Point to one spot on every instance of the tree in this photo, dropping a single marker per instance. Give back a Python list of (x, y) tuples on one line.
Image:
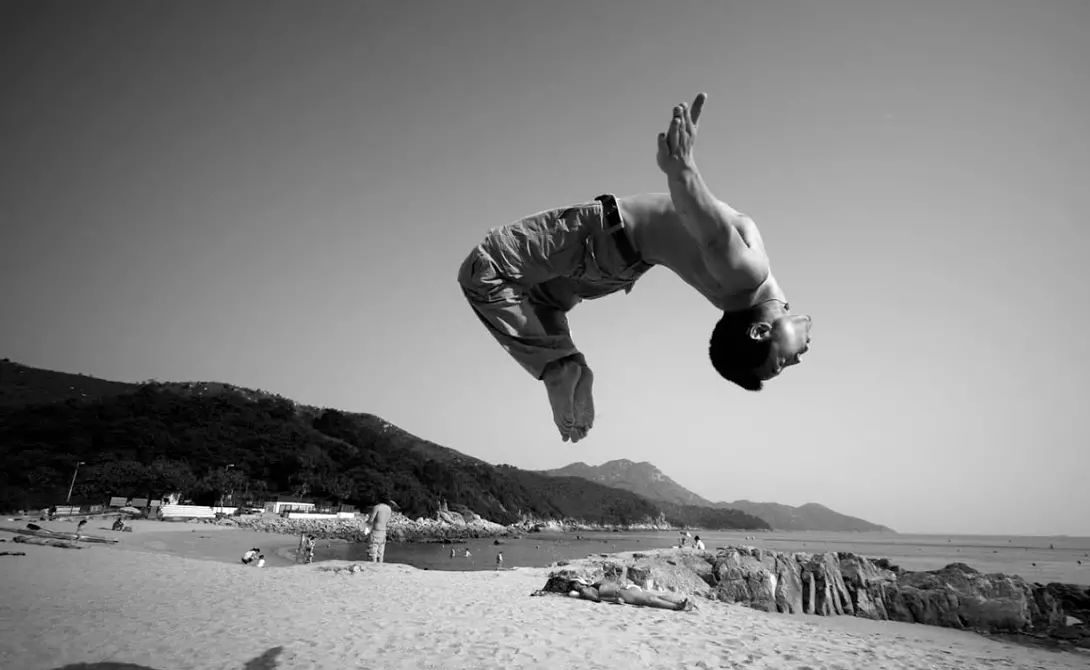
[(339, 487), (218, 483), (164, 477)]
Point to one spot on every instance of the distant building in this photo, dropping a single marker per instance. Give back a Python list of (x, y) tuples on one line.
[(140, 503), (281, 505)]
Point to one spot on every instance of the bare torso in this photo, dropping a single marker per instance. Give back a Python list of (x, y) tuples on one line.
[(661, 239), (380, 515)]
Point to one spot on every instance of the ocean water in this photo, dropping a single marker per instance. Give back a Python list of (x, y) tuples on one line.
[(1036, 559)]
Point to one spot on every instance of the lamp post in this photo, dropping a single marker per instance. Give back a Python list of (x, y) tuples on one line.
[(73, 484), (226, 469)]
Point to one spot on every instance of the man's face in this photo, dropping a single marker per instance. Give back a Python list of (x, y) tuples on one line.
[(790, 339)]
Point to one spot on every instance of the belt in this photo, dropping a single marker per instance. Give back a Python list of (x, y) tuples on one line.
[(614, 227)]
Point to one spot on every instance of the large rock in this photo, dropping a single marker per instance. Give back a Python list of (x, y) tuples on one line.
[(1074, 600), (823, 589), (829, 584), (867, 583), (681, 574), (747, 575)]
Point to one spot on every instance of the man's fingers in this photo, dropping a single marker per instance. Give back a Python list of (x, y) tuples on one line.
[(663, 146), (687, 122), (672, 134), (698, 107)]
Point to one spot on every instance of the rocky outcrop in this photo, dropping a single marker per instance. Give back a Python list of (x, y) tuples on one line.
[(829, 584), (447, 526), (530, 524)]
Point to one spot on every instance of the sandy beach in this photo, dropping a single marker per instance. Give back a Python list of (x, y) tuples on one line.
[(156, 601)]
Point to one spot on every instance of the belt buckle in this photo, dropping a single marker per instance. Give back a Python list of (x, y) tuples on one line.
[(611, 215)]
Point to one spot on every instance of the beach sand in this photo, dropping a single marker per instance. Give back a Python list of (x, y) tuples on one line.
[(142, 602)]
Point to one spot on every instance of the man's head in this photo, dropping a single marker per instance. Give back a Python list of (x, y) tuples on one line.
[(751, 346)]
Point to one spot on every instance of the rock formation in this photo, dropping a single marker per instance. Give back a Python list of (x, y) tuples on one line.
[(828, 584), (447, 526)]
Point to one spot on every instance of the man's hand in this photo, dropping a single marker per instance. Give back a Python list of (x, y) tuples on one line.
[(676, 144)]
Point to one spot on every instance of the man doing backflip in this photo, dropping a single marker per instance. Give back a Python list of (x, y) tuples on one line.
[(525, 277)]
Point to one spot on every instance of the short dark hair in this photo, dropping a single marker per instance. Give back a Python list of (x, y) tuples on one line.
[(734, 354)]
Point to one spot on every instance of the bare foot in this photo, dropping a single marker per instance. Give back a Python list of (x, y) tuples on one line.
[(584, 402), (560, 381)]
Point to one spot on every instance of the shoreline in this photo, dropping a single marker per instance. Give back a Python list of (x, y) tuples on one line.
[(1032, 558), (164, 608)]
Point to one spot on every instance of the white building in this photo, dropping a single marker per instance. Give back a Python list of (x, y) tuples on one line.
[(288, 505)]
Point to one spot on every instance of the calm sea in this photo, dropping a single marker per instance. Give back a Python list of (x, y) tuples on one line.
[(1039, 559)]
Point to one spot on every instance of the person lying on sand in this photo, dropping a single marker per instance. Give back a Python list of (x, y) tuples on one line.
[(628, 595), (525, 277)]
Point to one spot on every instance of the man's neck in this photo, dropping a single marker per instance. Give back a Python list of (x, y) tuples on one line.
[(768, 290)]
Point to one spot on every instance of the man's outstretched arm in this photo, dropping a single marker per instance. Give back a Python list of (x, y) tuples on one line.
[(712, 222)]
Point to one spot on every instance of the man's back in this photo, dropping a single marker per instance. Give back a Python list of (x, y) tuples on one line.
[(662, 239), (380, 515)]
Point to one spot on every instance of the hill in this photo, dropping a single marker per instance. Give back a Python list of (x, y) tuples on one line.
[(640, 478), (810, 516), (210, 439), (646, 480), (22, 385)]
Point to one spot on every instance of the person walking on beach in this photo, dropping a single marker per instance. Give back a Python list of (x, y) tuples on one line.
[(308, 549), (499, 560), (380, 517), (524, 278)]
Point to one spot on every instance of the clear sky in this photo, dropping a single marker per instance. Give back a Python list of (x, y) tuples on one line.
[(279, 195)]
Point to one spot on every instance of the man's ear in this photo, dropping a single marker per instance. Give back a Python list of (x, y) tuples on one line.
[(760, 331)]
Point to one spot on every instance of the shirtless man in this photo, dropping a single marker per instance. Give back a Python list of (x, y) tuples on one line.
[(377, 521), (525, 277)]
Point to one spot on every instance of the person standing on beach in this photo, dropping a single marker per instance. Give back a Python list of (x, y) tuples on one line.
[(499, 560), (523, 278), (380, 517)]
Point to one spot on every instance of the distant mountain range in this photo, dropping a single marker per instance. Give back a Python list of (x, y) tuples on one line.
[(646, 480), (138, 436)]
